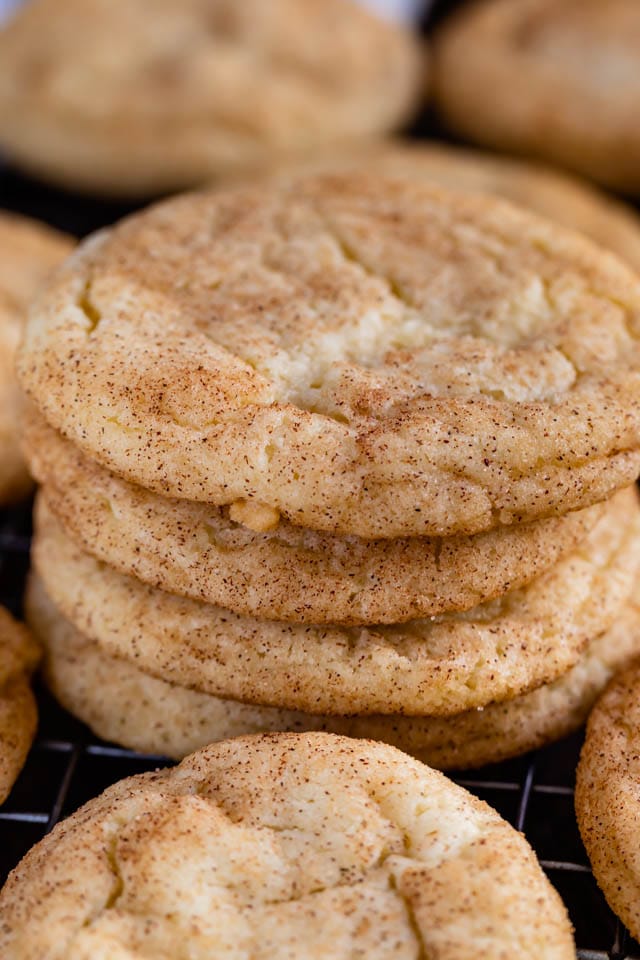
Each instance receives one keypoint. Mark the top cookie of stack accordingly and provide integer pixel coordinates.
(357, 355)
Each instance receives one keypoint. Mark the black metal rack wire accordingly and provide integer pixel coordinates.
(68, 766)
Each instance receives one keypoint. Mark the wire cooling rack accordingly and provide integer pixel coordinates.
(68, 766)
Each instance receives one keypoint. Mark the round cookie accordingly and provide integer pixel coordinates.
(28, 252)
(367, 356)
(19, 655)
(552, 78)
(608, 795)
(440, 665)
(564, 199)
(288, 573)
(305, 845)
(121, 703)
(200, 89)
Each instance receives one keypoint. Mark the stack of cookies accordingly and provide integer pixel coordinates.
(561, 197)
(336, 452)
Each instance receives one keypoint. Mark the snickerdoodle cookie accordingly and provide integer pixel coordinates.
(288, 573)
(123, 704)
(28, 253)
(104, 96)
(554, 78)
(439, 665)
(608, 795)
(283, 845)
(362, 355)
(19, 655)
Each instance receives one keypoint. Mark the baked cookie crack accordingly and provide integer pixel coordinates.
(411, 919)
(351, 255)
(118, 879)
(408, 668)
(88, 307)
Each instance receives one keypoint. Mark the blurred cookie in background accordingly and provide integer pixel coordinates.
(122, 99)
(558, 79)
(28, 252)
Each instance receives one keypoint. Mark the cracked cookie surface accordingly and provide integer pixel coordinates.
(19, 656)
(288, 573)
(28, 252)
(557, 79)
(284, 845)
(148, 105)
(366, 356)
(122, 703)
(566, 200)
(438, 665)
(608, 795)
